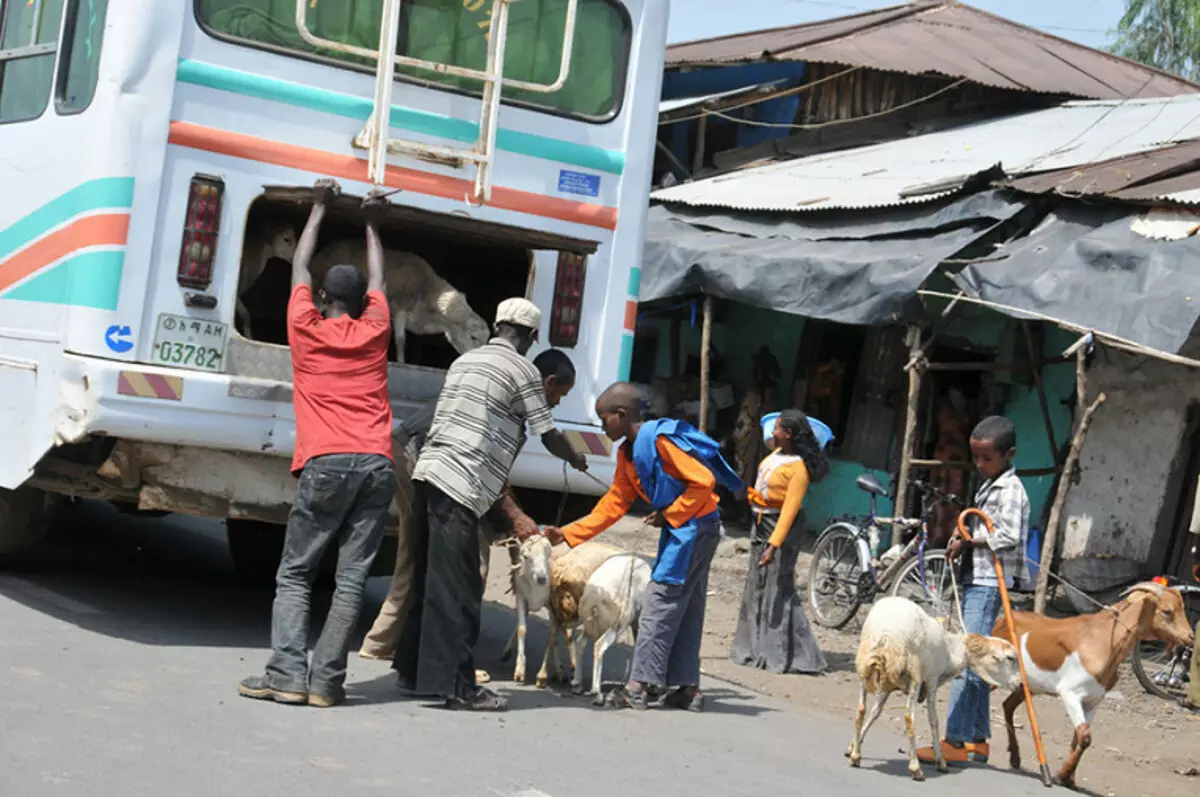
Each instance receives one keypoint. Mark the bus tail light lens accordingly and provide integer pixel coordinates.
(568, 299)
(200, 230)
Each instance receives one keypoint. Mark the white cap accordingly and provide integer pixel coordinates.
(519, 312)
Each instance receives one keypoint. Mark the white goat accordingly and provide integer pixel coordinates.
(610, 606)
(569, 574)
(261, 243)
(420, 300)
(903, 649)
(531, 584)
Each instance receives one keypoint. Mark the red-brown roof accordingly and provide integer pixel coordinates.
(947, 38)
(1160, 173)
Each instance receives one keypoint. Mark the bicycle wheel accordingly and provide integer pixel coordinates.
(835, 576)
(936, 594)
(1161, 672)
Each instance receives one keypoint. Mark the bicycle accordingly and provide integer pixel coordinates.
(844, 575)
(1162, 671)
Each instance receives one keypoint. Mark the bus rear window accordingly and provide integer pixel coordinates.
(455, 32)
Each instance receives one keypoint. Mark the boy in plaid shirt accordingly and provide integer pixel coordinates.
(1002, 497)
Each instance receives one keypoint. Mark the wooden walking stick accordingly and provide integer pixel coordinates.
(1012, 633)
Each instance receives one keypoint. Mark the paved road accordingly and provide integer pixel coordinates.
(120, 652)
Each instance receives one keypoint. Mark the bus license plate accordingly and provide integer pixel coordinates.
(184, 342)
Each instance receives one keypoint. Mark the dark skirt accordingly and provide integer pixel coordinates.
(772, 632)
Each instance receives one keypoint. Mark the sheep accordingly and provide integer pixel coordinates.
(262, 242)
(569, 574)
(903, 649)
(611, 604)
(531, 585)
(420, 300)
(1078, 658)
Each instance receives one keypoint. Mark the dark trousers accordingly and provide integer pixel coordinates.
(435, 655)
(341, 498)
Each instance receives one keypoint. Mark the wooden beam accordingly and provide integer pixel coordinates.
(705, 344)
(1083, 420)
(909, 442)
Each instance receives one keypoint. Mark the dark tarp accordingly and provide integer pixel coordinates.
(1085, 265)
(851, 267)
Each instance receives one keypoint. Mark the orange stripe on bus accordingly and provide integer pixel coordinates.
(631, 308)
(102, 230)
(348, 167)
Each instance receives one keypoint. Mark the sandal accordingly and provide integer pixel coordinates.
(685, 698)
(623, 697)
(480, 700)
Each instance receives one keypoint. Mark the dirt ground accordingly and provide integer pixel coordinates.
(1141, 744)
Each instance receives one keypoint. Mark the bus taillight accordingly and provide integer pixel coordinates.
(568, 299)
(200, 230)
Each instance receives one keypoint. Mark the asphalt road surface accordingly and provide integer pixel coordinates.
(121, 647)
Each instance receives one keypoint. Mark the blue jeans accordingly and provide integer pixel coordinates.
(969, 719)
(342, 500)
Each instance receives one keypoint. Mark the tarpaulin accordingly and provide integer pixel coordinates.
(1085, 265)
(850, 267)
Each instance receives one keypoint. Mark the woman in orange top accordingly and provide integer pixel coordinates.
(773, 633)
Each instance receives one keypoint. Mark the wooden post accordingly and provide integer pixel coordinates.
(701, 135)
(1035, 358)
(705, 343)
(909, 443)
(1083, 414)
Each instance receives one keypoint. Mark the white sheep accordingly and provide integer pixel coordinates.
(903, 649)
(262, 241)
(569, 574)
(531, 584)
(610, 606)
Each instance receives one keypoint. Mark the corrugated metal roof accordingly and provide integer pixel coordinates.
(894, 173)
(945, 38)
(1129, 174)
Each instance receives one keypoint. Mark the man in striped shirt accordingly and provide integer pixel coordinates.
(490, 394)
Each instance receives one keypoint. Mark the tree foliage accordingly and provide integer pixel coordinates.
(1162, 33)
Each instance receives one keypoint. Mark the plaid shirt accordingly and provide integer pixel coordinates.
(1005, 502)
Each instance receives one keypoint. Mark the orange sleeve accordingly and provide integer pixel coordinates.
(792, 501)
(609, 509)
(698, 483)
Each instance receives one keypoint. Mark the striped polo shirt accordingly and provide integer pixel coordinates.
(479, 424)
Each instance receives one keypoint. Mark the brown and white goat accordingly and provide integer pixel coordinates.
(1078, 658)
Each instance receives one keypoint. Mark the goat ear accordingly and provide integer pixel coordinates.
(1157, 590)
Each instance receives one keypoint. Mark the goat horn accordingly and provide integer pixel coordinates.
(1158, 590)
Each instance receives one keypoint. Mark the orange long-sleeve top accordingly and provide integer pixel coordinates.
(781, 486)
(697, 500)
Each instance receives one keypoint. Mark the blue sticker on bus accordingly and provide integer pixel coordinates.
(570, 182)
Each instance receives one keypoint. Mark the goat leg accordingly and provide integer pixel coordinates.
(910, 709)
(606, 640)
(550, 643)
(509, 646)
(876, 710)
(577, 644)
(522, 611)
(854, 752)
(1011, 704)
(399, 327)
(1079, 745)
(931, 705)
(561, 675)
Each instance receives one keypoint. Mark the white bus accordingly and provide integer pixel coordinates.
(149, 151)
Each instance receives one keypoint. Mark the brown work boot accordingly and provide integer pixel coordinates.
(952, 754)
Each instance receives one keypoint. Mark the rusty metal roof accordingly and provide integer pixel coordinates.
(1144, 176)
(946, 38)
(925, 167)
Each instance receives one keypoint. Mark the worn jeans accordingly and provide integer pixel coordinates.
(342, 499)
(671, 626)
(969, 719)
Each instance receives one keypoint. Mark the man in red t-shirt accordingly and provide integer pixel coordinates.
(342, 456)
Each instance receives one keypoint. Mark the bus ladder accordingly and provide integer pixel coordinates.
(376, 135)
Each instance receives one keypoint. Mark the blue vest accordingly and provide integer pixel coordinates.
(675, 545)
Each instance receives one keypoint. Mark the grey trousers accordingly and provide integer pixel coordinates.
(671, 626)
(342, 499)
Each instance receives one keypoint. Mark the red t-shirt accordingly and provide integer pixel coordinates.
(339, 378)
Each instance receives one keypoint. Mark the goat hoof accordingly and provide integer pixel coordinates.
(540, 683)
(1014, 763)
(1066, 783)
(943, 766)
(918, 775)
(519, 677)
(855, 760)
(598, 700)
(577, 689)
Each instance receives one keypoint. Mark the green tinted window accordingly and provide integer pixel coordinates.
(79, 71)
(28, 33)
(456, 32)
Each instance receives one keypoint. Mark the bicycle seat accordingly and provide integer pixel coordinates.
(868, 482)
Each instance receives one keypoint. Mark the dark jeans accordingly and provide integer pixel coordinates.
(341, 498)
(435, 655)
